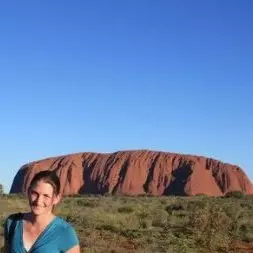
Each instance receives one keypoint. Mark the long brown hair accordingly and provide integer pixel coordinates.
(47, 176)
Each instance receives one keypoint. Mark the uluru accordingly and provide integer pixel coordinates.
(138, 172)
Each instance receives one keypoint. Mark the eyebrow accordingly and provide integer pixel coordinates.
(46, 195)
(33, 191)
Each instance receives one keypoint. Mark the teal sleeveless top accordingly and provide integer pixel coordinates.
(58, 237)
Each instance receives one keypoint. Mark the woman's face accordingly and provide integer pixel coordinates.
(42, 198)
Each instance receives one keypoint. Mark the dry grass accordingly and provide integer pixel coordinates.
(151, 224)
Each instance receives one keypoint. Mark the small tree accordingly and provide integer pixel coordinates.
(235, 194)
(1, 189)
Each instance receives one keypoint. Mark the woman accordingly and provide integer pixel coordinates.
(40, 231)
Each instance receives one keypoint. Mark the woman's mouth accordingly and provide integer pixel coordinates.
(37, 207)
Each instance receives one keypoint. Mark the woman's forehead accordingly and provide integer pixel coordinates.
(43, 187)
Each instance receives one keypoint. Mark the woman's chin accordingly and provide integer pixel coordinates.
(37, 210)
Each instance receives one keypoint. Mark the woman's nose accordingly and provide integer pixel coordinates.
(39, 200)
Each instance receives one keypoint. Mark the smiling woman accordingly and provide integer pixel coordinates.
(39, 230)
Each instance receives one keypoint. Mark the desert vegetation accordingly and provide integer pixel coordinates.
(153, 224)
(1, 189)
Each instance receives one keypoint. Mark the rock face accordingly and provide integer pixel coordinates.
(138, 172)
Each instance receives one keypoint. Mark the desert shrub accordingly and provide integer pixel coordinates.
(145, 223)
(163, 201)
(194, 205)
(1, 189)
(234, 194)
(246, 229)
(247, 236)
(201, 195)
(110, 227)
(159, 218)
(125, 209)
(86, 203)
(16, 196)
(162, 224)
(143, 215)
(174, 207)
(75, 219)
(132, 234)
(210, 227)
(235, 212)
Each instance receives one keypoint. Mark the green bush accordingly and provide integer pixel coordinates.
(125, 209)
(1, 189)
(86, 203)
(174, 207)
(144, 224)
(234, 194)
(159, 218)
(211, 227)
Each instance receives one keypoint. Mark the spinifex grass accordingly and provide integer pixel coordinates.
(151, 224)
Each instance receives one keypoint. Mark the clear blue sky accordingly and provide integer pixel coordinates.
(105, 76)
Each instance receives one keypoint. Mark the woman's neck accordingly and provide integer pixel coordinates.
(39, 220)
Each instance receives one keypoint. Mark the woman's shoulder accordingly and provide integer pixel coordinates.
(67, 231)
(61, 222)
